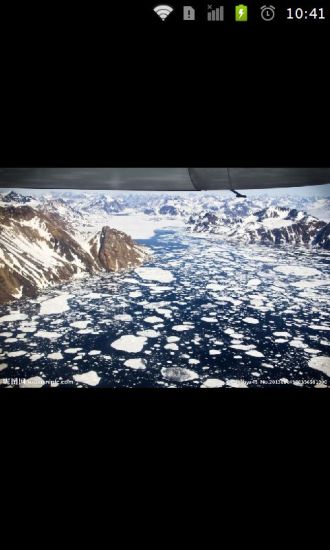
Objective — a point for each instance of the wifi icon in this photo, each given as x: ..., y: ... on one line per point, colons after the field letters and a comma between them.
x: 163, y: 11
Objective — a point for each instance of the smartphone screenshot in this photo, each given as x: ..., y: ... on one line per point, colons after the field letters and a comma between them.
x: 165, y: 200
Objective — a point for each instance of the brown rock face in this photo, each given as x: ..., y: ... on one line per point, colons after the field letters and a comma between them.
x: 114, y: 250
x: 37, y: 250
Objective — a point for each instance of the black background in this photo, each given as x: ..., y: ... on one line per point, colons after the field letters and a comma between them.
x: 107, y: 85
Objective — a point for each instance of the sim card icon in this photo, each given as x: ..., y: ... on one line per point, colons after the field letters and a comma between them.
x: 241, y: 13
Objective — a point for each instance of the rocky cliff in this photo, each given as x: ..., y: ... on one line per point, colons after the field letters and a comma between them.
x: 114, y: 250
x: 38, y: 249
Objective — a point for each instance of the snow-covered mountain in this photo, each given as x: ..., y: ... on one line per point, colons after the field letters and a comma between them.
x: 277, y: 225
x: 38, y: 249
x: 16, y: 198
x: 103, y: 203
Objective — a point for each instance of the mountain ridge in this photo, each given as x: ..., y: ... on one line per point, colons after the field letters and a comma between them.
x: 38, y: 249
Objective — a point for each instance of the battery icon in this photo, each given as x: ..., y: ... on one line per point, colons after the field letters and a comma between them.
x: 241, y: 13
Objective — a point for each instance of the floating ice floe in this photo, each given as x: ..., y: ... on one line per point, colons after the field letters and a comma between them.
x: 193, y: 361
x: 254, y: 282
x: 182, y: 328
x: 154, y: 274
x: 56, y: 356
x: 3, y: 366
x: 47, y: 334
x: 215, y: 286
x: 129, y: 343
x: 148, y: 333
x: 319, y: 327
x: 282, y: 334
x: 80, y: 324
x: 298, y: 271
x: 254, y: 353
x: 250, y: 320
x: 94, y: 352
x: 135, y: 294
x: 214, y: 352
x: 90, y: 378
x: 298, y: 344
x: 172, y: 338
x: 213, y: 383
x: 72, y: 351
x: 320, y: 363
x: 36, y: 356
x: 14, y: 316
x: 123, y: 317
x: 243, y: 347
x: 138, y: 364
x: 16, y: 353
x: 153, y: 319
x: 173, y: 347
x: 236, y: 384
x: 93, y: 296
x: 209, y: 319
x: 179, y: 374
x: 311, y: 284
x: 59, y: 304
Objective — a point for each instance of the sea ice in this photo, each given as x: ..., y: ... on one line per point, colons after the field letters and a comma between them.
x: 243, y: 347
x: 299, y: 271
x: 319, y: 327
x: 250, y: 320
x: 129, y: 343
x: 213, y: 383
x: 254, y: 282
x: 254, y: 353
x: 320, y: 363
x: 236, y: 384
x: 138, y: 364
x: 90, y: 378
x: 135, y: 294
x: 149, y: 333
x: 36, y: 356
x: 123, y: 317
x: 182, y: 328
x: 47, y: 334
x: 80, y: 324
x: 59, y: 304
x: 57, y: 355
x: 173, y: 347
x: 154, y: 274
x: 14, y: 316
x: 179, y: 374
x: 215, y: 286
x: 153, y: 319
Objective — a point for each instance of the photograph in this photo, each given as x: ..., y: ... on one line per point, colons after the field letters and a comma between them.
x: 194, y: 278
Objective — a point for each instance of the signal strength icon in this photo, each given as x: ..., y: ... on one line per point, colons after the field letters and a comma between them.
x: 163, y: 11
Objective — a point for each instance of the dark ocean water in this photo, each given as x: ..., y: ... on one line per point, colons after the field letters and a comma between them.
x: 220, y: 305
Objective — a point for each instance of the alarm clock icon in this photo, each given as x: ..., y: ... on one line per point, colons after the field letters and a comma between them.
x: 267, y: 13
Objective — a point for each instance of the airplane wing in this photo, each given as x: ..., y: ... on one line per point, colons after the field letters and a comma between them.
x: 162, y: 179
